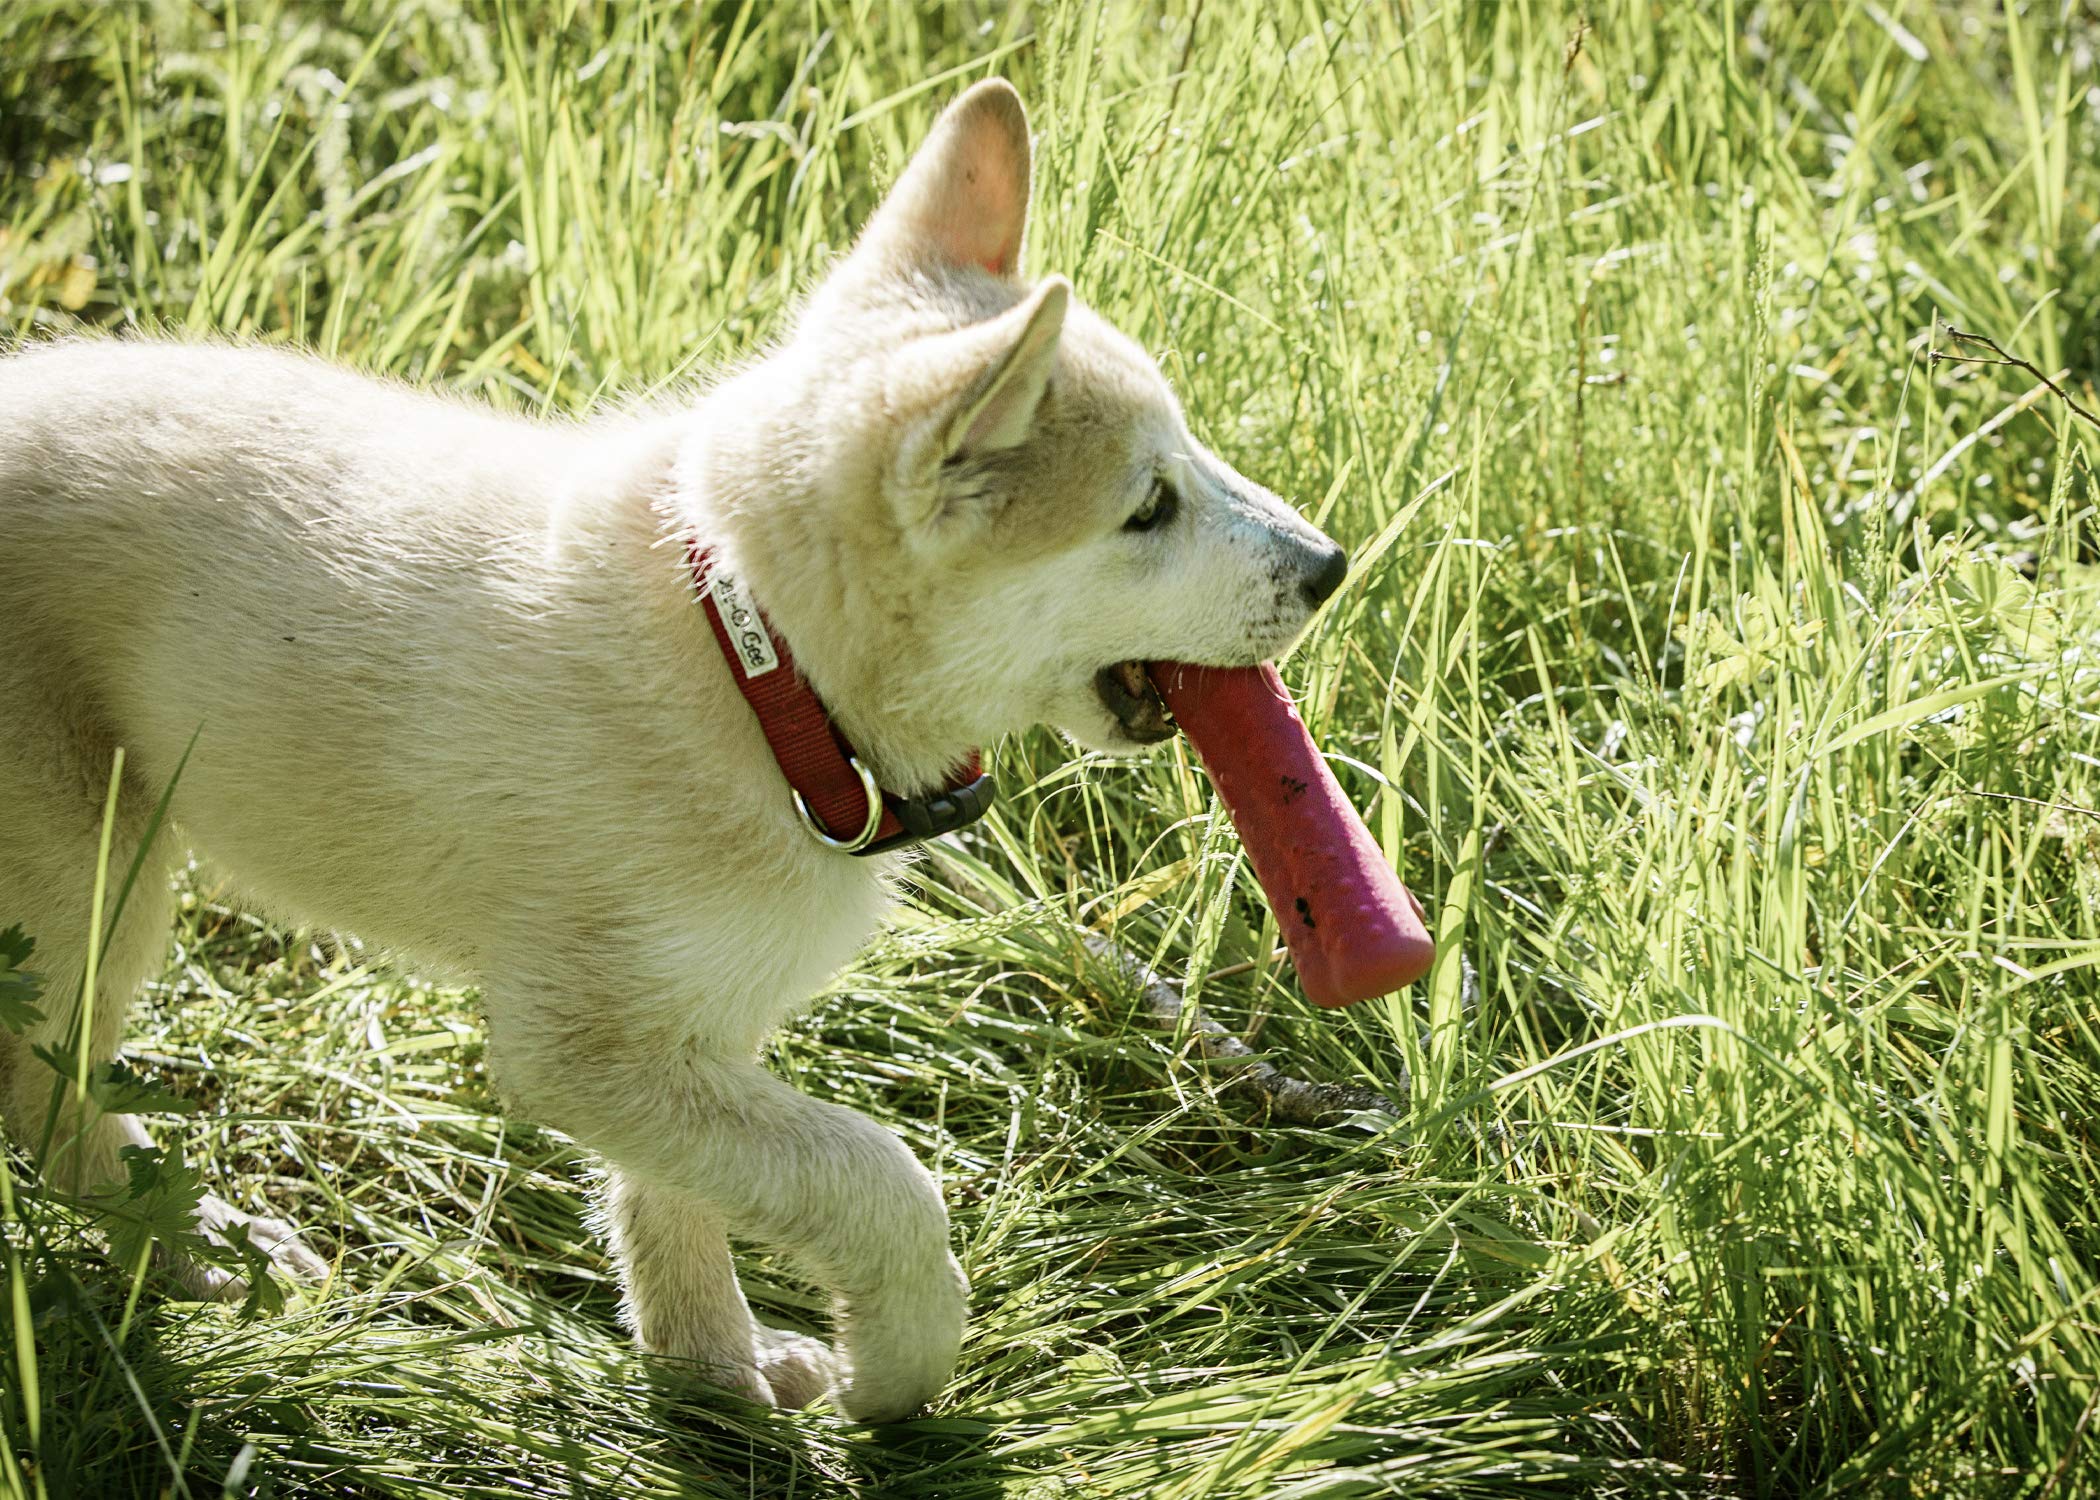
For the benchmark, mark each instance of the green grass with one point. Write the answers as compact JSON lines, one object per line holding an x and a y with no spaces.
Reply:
{"x":1719,"y":668}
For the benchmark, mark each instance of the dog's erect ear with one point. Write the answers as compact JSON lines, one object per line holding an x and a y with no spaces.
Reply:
{"x":963,"y":200}
{"x":974,"y":391}
{"x":1019,"y":350}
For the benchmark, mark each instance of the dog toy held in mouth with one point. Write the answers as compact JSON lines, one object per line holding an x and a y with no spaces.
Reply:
{"x":1354,"y":930}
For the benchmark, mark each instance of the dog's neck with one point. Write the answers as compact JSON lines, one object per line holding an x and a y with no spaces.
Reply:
{"x":854,"y":647}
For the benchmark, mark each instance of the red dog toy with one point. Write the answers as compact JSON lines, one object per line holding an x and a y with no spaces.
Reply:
{"x":1354,"y":930}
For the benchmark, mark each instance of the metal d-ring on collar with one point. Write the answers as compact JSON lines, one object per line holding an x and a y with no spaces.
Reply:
{"x":866,"y":836}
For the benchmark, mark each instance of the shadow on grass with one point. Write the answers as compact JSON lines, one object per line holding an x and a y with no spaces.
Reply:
{"x":365,"y":1393}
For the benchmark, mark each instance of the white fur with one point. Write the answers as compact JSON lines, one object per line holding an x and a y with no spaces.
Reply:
{"x":450,"y":690}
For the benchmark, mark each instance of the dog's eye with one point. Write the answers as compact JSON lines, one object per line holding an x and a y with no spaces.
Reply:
{"x":1157,"y":510}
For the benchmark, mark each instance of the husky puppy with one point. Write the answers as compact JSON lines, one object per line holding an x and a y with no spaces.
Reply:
{"x":449,"y":688}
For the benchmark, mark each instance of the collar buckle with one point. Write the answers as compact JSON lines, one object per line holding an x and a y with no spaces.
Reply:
{"x":945,"y":811}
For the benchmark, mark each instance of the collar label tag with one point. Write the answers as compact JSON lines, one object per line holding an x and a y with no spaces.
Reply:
{"x":755,"y":655}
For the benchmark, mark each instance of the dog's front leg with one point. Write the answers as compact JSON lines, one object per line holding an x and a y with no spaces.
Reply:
{"x":832,"y":1189}
{"x":682,"y":1297}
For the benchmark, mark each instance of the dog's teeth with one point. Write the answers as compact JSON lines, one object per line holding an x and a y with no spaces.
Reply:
{"x":1127,"y":692}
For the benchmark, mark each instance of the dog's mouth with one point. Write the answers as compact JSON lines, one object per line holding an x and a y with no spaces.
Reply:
{"x":1127,"y":692}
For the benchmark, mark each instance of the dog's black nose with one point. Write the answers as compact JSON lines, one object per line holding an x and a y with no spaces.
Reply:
{"x":1328,"y":571}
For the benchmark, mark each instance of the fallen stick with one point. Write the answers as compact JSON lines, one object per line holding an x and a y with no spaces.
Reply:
{"x":1941,"y":356}
{"x":1293,"y":1101}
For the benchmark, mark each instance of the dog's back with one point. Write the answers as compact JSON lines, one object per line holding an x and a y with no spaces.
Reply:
{"x":193,"y":539}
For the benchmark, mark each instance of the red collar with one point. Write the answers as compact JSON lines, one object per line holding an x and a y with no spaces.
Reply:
{"x":837,"y":797}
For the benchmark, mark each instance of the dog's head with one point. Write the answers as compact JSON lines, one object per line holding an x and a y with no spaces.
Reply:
{"x":1013,"y":509}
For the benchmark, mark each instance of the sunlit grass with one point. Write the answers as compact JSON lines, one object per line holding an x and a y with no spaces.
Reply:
{"x":1718,"y":668}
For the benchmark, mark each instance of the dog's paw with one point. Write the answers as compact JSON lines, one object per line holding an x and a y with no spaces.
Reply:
{"x":222,"y":1223}
{"x":739,"y":1379}
{"x":900,"y":1346}
{"x":797,"y":1367}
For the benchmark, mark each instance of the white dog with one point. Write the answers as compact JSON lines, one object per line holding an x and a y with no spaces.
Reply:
{"x":453,"y":686}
